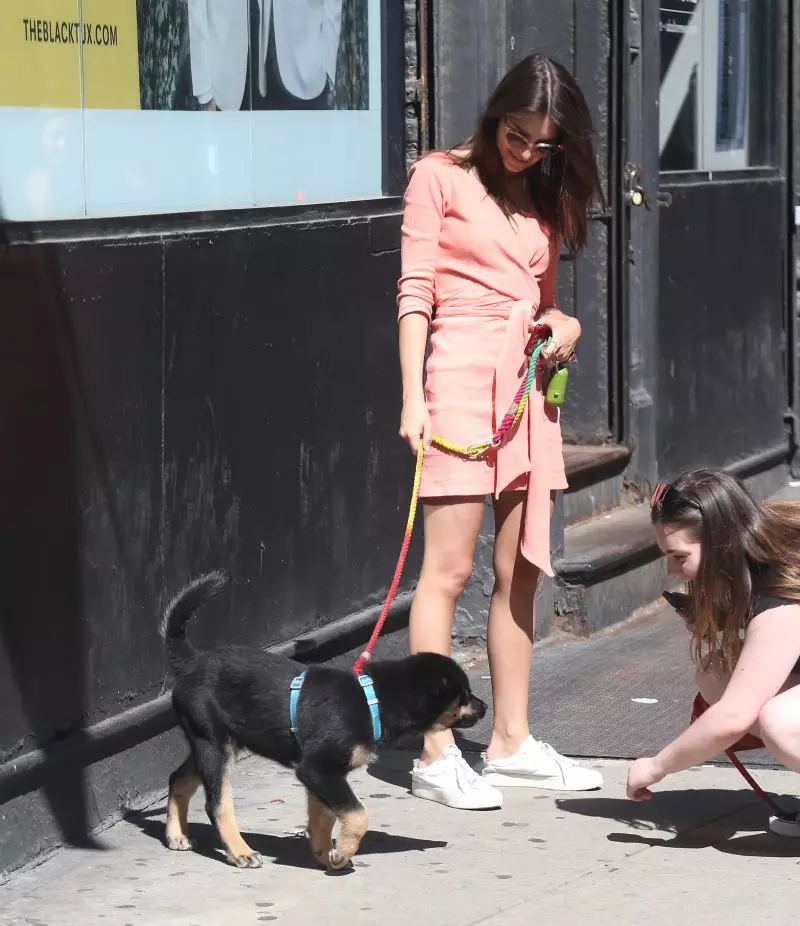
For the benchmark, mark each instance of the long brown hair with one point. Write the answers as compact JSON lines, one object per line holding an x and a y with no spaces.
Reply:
{"x":561,"y":197}
{"x":746,"y":547}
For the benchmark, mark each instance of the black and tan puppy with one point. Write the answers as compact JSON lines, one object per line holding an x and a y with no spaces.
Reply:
{"x":235,"y":698}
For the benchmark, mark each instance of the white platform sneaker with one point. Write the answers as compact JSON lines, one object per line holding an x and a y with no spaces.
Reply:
{"x":538,"y":765}
{"x":452,"y":782}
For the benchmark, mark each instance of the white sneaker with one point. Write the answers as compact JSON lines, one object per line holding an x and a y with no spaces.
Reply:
{"x":788,"y":828}
{"x":538,"y":765}
{"x":450,"y":781}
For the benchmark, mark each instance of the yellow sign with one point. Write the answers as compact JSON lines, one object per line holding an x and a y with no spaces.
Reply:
{"x":110,"y":54}
{"x":44,"y":44}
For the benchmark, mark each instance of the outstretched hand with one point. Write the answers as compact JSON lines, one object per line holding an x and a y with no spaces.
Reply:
{"x":642,"y":775}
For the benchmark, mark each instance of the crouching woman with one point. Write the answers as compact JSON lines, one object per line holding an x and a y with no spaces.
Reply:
{"x":741,"y":561}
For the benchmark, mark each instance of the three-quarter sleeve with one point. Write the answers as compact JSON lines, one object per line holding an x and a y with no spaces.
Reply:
{"x":424,"y":209}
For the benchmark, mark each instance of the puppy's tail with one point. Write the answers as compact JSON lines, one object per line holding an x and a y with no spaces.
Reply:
{"x":178,"y":612}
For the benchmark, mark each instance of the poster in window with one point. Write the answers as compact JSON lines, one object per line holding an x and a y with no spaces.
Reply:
{"x":137,"y":106}
{"x":232,"y":55}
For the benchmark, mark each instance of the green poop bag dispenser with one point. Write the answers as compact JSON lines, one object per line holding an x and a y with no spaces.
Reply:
{"x":557,"y":387}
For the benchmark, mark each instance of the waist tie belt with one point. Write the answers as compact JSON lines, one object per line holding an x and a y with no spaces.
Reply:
{"x":519,"y":456}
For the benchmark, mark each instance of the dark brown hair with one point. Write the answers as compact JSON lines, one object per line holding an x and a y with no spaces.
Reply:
{"x":746,"y":547}
{"x":561,"y":198}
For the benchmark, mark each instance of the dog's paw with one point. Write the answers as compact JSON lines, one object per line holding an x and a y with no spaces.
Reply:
{"x":320,"y":855}
{"x":337,"y":860}
{"x":251,"y":860}
{"x":320,"y":847}
{"x":180,"y":844}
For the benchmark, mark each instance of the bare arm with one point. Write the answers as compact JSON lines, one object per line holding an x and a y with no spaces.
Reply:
{"x":565,"y":329}
{"x":771,"y":649}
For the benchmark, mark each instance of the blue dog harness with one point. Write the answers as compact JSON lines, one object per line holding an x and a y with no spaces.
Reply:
{"x":368,"y":687}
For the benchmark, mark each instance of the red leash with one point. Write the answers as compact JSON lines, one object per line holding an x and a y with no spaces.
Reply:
{"x":748,"y":741}
{"x":358,"y":665}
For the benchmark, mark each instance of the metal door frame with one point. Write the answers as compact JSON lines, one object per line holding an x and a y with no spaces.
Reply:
{"x":634,"y":261}
{"x":792,"y":163}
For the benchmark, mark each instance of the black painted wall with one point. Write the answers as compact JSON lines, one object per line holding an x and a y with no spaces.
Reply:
{"x":722,"y":367}
{"x":178,"y":403}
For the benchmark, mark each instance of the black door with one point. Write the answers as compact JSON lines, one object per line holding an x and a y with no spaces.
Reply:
{"x":473,"y":43}
{"x":723,"y":252}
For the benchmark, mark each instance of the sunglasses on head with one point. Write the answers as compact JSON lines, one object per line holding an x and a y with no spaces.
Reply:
{"x":667,"y":500}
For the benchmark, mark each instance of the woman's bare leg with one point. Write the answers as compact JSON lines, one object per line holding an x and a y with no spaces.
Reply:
{"x":778,"y":724}
{"x":452,"y":526}
{"x":514,"y":758}
{"x":512,"y":621}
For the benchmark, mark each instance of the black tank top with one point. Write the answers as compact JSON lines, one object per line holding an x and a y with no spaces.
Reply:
{"x":761,"y":603}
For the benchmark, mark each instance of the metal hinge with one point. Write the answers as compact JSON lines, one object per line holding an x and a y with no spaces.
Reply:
{"x":634,"y":32}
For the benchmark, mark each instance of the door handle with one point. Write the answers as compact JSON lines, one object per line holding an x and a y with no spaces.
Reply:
{"x":636,"y":197}
{"x":635,"y":194}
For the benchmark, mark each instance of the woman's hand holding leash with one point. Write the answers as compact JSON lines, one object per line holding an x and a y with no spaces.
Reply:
{"x":415,"y":422}
{"x":564,"y":332}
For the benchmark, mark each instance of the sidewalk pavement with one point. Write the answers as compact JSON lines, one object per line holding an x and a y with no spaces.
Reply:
{"x":698,"y":851}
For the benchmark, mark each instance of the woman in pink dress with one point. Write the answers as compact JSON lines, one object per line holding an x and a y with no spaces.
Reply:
{"x":482,"y":230}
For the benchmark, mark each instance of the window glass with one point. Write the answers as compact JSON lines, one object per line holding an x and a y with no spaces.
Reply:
{"x":144,"y":106}
{"x":720,"y":84}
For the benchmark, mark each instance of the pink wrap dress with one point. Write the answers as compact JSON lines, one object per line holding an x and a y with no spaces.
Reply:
{"x":482,"y":279}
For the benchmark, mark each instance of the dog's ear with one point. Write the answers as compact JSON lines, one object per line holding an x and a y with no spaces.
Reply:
{"x":443,"y":679}
{"x":439,"y":684}
{"x":450,"y":685}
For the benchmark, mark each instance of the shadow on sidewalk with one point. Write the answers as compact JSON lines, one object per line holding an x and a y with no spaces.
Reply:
{"x":291,"y":850}
{"x":721,"y":816}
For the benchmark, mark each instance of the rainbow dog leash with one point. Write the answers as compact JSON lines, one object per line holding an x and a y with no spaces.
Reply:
{"x":515,"y":411}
